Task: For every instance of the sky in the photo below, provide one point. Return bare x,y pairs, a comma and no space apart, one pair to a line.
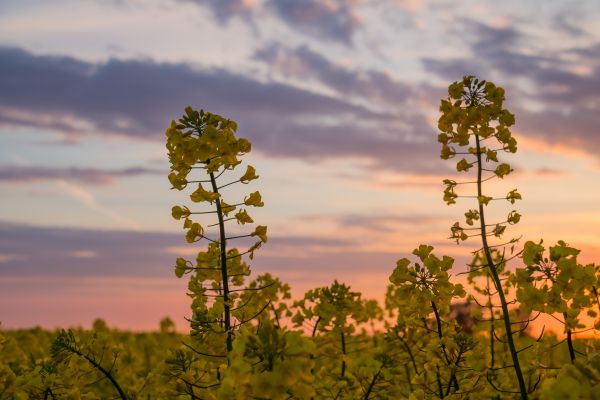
340,100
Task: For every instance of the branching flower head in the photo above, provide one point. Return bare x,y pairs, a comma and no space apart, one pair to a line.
422,283
475,124
204,145
555,283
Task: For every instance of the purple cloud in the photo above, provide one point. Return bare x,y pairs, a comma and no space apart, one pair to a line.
19,174
305,63
139,98
334,20
77,252
568,110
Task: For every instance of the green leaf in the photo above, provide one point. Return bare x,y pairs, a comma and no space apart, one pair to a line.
532,253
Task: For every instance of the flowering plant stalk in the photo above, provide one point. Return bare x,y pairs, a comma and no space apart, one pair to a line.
204,145
475,124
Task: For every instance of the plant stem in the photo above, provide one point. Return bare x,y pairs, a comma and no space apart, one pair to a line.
596,295
439,382
408,377
410,354
570,341
99,367
225,278
343,352
372,384
492,352
438,321
314,331
497,282
276,316
48,394
453,380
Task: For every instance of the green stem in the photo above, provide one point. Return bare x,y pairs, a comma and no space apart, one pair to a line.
48,394
596,295
314,331
497,282
192,394
372,384
438,320
343,352
223,254
99,367
453,380
276,316
439,382
410,354
570,341
408,377
493,355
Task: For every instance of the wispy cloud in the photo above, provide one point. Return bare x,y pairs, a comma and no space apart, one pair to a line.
112,253
371,86
88,200
333,20
28,174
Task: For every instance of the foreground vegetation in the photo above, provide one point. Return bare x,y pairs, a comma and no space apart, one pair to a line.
277,363
430,339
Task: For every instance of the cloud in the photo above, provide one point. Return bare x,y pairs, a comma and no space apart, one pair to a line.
304,63
27,174
493,49
63,269
88,200
5,258
550,172
391,223
56,250
224,10
411,5
334,19
138,98
378,226
58,276
555,97
72,252
83,254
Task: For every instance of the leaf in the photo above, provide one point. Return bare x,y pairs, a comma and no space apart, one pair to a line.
242,217
261,232
502,170
249,175
513,217
513,196
455,90
423,251
227,208
180,212
203,195
532,253
254,199
463,165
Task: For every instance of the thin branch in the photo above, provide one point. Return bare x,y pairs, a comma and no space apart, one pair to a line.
201,353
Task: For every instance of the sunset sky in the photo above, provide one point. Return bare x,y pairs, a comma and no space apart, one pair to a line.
340,101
